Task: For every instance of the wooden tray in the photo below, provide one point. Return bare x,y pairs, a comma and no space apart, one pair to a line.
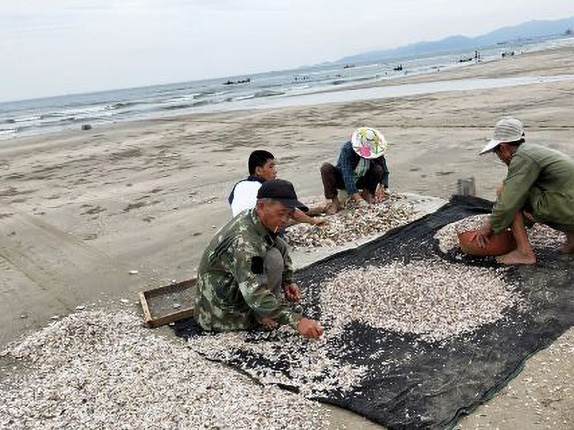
160,304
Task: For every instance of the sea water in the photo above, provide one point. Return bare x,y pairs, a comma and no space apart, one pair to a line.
303,86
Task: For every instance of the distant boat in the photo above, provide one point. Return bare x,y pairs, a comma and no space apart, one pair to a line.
349,66
399,68
244,81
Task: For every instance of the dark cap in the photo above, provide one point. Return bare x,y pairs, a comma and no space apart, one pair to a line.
283,191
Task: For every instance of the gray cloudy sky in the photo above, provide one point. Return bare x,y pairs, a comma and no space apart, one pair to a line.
53,47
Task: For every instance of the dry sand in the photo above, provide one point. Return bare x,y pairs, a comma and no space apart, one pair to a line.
79,210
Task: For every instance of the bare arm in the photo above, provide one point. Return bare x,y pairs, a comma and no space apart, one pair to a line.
302,217
522,174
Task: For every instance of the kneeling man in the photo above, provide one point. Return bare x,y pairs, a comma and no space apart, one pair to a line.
539,185
245,275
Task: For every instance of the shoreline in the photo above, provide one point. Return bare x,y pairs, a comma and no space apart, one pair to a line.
449,75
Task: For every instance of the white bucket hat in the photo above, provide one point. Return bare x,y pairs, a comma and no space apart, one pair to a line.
506,130
369,143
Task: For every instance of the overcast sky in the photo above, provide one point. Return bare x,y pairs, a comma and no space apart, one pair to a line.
53,47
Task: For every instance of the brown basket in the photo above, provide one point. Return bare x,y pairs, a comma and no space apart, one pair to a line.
499,244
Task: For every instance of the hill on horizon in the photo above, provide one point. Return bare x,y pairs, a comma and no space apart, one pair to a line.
526,30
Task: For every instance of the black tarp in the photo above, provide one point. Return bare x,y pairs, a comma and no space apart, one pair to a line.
430,385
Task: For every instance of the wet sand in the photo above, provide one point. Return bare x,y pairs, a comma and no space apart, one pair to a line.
80,209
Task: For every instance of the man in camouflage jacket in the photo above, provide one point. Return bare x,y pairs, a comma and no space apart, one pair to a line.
245,275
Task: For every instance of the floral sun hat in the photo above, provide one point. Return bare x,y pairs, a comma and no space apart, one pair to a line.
369,143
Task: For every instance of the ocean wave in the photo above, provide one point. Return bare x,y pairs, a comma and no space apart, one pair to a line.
57,116
296,88
320,72
354,80
51,115
260,94
23,119
203,94
175,107
182,98
362,78
122,105
47,119
186,105
247,97
78,112
367,66
268,93
24,128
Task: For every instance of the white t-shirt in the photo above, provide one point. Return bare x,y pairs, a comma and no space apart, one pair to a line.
245,196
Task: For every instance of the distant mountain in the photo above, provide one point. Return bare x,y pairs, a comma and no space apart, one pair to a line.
527,30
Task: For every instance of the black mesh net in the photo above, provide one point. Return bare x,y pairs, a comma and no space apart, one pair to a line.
406,382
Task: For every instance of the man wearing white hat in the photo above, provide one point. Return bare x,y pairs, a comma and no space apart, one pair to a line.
361,165
539,182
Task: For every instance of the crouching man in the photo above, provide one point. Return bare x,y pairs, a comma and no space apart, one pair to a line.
539,186
245,277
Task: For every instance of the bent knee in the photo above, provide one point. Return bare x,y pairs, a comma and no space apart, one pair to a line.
327,168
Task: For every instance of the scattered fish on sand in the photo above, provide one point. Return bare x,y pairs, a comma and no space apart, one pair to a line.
96,369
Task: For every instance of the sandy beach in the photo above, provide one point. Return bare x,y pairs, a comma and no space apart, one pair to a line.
79,210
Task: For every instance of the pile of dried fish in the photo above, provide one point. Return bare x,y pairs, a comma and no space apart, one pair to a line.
433,299
96,370
540,235
284,357
353,223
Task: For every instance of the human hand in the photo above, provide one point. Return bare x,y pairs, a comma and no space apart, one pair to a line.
310,329
482,237
292,292
368,197
318,221
380,194
268,323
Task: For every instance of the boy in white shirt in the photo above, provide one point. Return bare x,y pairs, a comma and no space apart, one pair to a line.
262,167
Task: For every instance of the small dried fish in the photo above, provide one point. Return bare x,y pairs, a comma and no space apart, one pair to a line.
434,299
103,370
353,223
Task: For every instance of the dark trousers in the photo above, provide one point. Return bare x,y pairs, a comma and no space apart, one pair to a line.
332,178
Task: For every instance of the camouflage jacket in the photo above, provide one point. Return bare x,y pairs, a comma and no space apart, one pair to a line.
232,291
